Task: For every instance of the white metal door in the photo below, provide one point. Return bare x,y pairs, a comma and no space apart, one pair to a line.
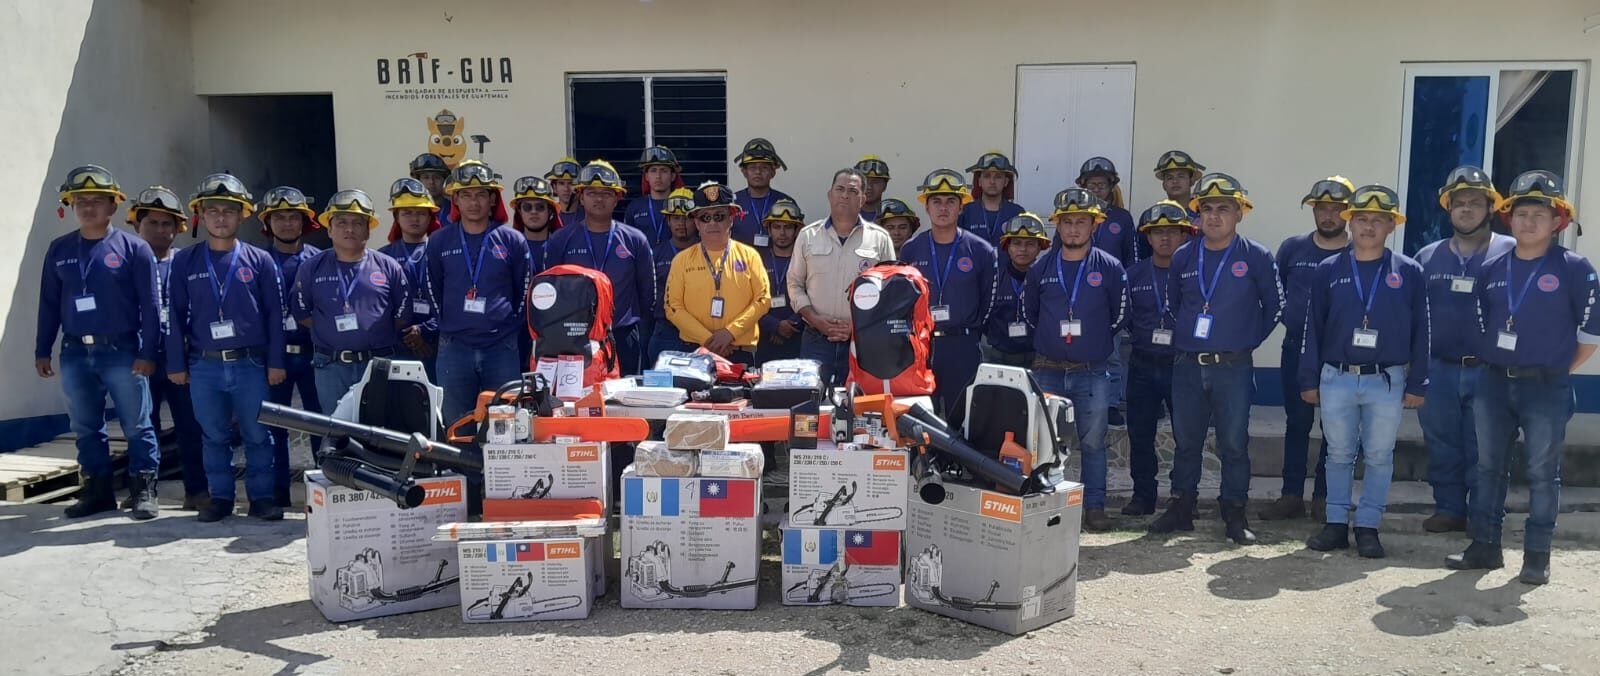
1067,114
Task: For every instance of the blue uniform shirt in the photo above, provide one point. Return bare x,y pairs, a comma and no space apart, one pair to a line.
623,253
413,260
1117,236
778,278
500,257
103,287
1100,306
663,255
1244,305
244,298
536,255
755,209
164,303
289,269
960,278
1453,294
1396,289
444,210
1006,310
644,214
374,291
1297,260
988,224
1556,311
1149,306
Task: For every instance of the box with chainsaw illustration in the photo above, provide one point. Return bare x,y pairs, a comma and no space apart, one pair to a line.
832,488
1000,561
690,542
369,558
562,469
834,566
521,580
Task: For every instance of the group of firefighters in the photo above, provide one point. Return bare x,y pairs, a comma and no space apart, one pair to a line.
1133,320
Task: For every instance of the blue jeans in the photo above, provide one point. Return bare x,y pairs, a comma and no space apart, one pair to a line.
1118,364
190,447
1298,417
465,371
1149,388
664,338
88,374
1447,426
334,379
1541,408
834,357
1091,395
1206,396
1361,413
303,378
222,392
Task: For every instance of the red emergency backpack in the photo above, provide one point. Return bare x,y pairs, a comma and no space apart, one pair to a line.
569,313
892,331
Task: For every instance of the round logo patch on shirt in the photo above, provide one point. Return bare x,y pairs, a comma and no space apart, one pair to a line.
112,260
499,251
1240,269
1549,282
865,264
1116,228
738,266
623,252
1095,278
378,278
543,296
1394,281
866,294
964,264
246,275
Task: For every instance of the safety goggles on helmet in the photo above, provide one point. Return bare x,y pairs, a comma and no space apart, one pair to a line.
1023,226
532,187
945,182
873,166
1098,165
995,161
90,178
472,174
349,202
894,208
428,163
222,186
1218,184
158,198
599,174
1467,177
759,151
786,211
1538,186
409,193
657,156
1177,159
1375,199
284,198
1336,189
678,205
1165,213
1079,201
565,169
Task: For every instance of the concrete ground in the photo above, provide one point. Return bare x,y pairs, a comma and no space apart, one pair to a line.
108,595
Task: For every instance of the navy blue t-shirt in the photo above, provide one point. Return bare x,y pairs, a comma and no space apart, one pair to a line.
777,277
1340,297
1557,294
1245,301
663,255
1100,304
960,277
755,210
1453,294
644,214
623,253
244,298
413,260
1297,260
375,291
289,268
1006,310
101,287
1116,236
499,256
988,224
1149,306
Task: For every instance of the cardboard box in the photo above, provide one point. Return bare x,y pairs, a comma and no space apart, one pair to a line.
827,566
737,461
547,470
653,458
696,431
518,580
690,542
592,529
369,558
848,489
1000,561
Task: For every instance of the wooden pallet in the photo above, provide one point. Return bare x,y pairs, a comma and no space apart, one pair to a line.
50,470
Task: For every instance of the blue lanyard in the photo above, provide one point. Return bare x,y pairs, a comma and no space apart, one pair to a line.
601,259
220,289
346,286
716,272
1513,304
655,218
473,270
414,258
1017,289
759,212
1161,306
1200,273
86,260
933,263
1061,278
1361,295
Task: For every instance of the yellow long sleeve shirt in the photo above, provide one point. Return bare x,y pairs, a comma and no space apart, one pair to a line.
692,288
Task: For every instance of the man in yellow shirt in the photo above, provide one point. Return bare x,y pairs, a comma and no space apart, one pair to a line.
717,291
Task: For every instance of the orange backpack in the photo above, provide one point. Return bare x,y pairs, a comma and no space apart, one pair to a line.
892,331
569,313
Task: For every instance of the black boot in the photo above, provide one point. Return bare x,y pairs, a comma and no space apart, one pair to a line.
133,496
142,486
1367,544
1535,568
1333,536
1235,526
266,510
1478,556
95,496
1139,507
215,510
1178,517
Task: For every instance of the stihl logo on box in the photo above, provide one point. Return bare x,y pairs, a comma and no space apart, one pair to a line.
442,494
1003,507
1075,498
583,454
569,550
889,463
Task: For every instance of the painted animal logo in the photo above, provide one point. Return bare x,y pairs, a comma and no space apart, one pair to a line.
445,138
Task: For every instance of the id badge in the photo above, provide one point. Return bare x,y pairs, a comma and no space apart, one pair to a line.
1364,338
85,303
1161,337
941,313
289,324
1202,327
1506,341
476,306
761,240
420,307
222,330
779,302
345,322
1017,329
716,307
1461,285
1071,328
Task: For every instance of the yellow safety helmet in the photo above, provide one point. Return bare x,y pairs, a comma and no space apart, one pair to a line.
1468,177
1333,189
1166,213
678,203
90,178
1025,225
158,198
286,198
1078,201
945,182
226,187
409,193
599,174
1538,186
565,169
1177,159
872,166
786,211
1218,184
472,174
349,202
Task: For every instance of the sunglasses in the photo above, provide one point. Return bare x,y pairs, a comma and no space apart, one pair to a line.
533,205
222,185
284,198
89,178
352,200
407,186
711,216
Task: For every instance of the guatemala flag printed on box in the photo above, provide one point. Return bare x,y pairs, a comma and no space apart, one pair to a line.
810,547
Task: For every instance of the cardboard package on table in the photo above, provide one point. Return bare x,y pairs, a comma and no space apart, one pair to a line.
517,580
690,542
836,488
1000,561
695,431
828,566
563,470
369,558
554,520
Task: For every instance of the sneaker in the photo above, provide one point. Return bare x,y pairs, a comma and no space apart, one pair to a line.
215,510
1114,419
266,509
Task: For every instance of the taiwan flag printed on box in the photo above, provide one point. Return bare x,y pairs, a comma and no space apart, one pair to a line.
732,499
511,552
871,548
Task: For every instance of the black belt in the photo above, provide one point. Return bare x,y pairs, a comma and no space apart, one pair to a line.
296,349
355,356
1360,369
1462,361
99,339
231,355
1528,372
1042,363
1215,358
941,333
